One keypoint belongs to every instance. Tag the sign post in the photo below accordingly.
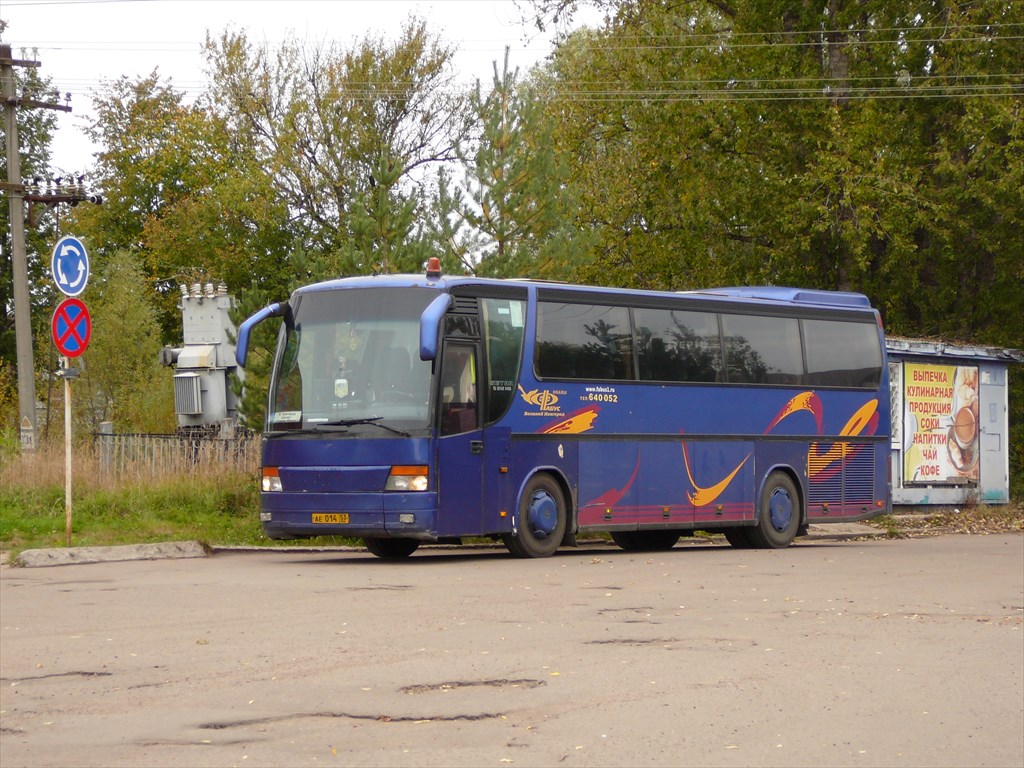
(67, 454)
(72, 328)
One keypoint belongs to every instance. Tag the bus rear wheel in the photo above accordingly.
(542, 519)
(391, 549)
(778, 513)
(645, 541)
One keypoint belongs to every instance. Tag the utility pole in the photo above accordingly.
(16, 195)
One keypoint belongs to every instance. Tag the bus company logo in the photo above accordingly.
(544, 399)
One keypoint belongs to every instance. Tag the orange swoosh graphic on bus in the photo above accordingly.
(865, 417)
(574, 423)
(805, 401)
(613, 496)
(861, 419)
(702, 496)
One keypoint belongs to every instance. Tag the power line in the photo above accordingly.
(688, 40)
(613, 46)
(817, 33)
(663, 93)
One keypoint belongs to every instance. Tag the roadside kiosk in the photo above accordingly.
(950, 423)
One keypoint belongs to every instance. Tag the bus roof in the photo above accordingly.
(792, 296)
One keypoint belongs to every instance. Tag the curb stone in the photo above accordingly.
(36, 558)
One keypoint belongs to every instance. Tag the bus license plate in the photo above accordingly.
(331, 518)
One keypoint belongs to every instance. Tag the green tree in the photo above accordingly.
(348, 137)
(345, 140)
(459, 244)
(854, 145)
(514, 195)
(191, 201)
(182, 194)
(151, 147)
(122, 380)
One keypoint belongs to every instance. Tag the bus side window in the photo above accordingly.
(458, 389)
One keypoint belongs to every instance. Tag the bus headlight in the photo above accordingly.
(407, 478)
(271, 480)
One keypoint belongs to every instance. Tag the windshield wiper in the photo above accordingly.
(307, 430)
(368, 420)
(337, 425)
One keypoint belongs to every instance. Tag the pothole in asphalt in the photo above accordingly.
(14, 680)
(454, 684)
(386, 587)
(379, 718)
(635, 641)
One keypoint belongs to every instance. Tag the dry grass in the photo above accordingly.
(130, 497)
(144, 463)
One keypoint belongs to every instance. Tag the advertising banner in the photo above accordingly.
(940, 424)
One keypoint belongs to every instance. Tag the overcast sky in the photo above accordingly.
(82, 43)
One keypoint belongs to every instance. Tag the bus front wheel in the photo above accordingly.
(540, 524)
(738, 537)
(391, 549)
(778, 513)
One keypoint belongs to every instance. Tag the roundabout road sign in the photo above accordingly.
(72, 327)
(70, 265)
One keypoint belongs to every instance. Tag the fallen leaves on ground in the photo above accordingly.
(976, 519)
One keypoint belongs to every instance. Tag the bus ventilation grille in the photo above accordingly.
(464, 305)
(841, 473)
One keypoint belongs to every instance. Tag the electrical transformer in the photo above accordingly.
(203, 398)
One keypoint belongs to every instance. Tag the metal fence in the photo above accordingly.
(162, 456)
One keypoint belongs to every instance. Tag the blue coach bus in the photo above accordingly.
(424, 408)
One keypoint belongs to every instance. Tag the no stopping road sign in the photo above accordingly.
(72, 327)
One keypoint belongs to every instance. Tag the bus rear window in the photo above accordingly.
(841, 354)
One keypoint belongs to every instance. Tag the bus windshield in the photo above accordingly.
(348, 362)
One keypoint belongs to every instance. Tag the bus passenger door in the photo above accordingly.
(460, 445)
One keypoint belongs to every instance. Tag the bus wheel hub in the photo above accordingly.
(542, 514)
(780, 506)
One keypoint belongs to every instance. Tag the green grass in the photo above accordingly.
(214, 504)
(217, 512)
(210, 511)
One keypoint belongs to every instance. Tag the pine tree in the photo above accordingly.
(514, 192)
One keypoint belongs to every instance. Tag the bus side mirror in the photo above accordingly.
(430, 323)
(242, 347)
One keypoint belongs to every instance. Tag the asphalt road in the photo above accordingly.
(858, 653)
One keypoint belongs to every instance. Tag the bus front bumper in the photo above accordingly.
(304, 515)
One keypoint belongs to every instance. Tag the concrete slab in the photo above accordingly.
(35, 558)
(841, 532)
